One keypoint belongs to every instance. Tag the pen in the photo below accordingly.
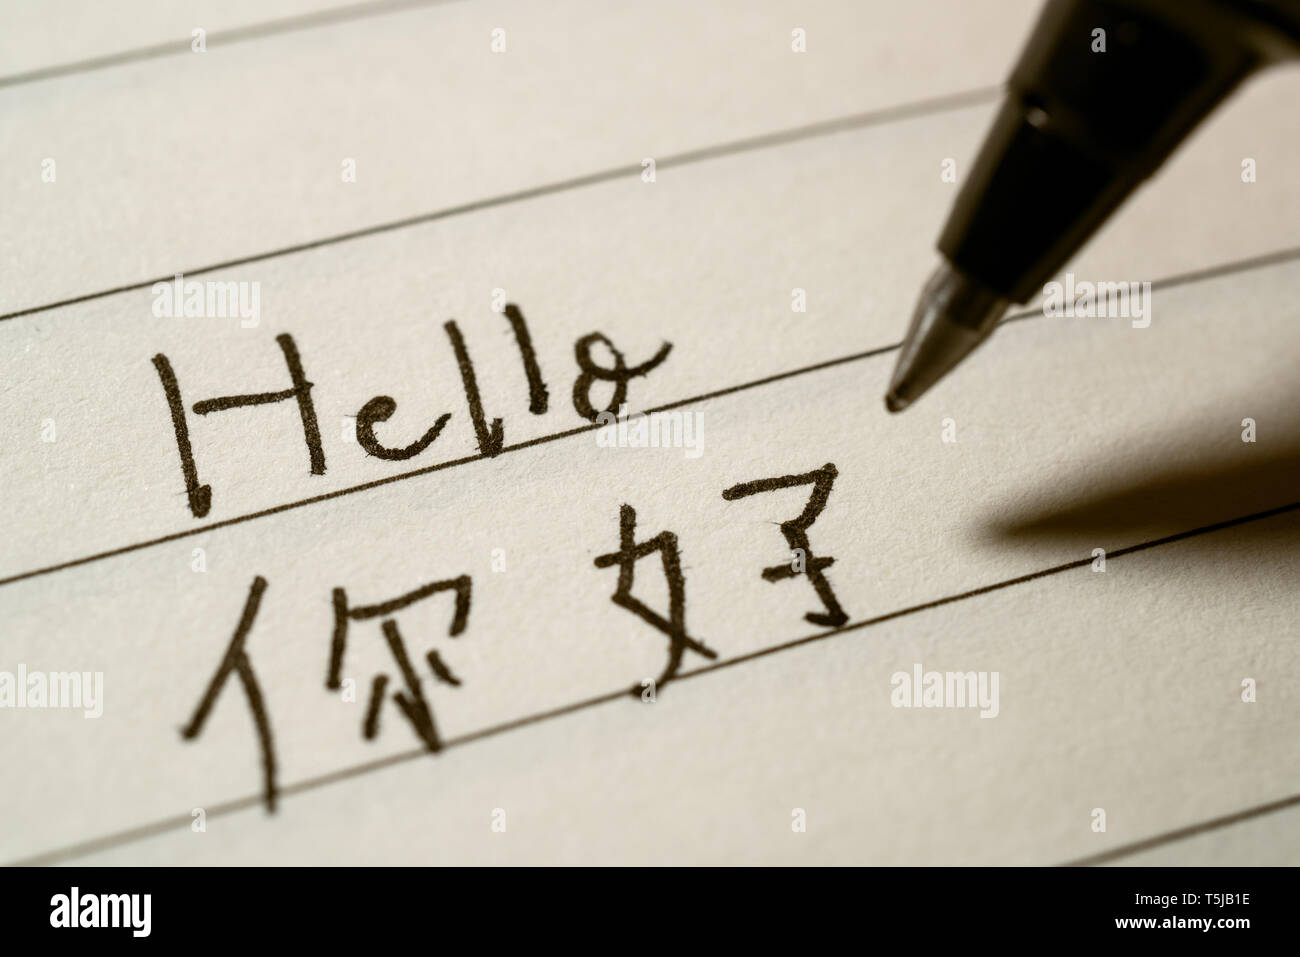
(1102, 94)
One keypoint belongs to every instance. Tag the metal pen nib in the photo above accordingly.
(954, 315)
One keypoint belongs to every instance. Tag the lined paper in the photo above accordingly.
(522, 172)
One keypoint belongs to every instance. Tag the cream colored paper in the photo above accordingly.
(779, 171)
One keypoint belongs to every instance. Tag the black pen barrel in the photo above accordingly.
(1102, 94)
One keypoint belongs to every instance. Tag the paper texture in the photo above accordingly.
(778, 248)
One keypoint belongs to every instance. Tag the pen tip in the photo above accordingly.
(955, 314)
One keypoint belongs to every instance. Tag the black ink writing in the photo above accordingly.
(674, 626)
(236, 660)
(489, 433)
(537, 393)
(411, 700)
(796, 536)
(619, 374)
(490, 438)
(381, 409)
(199, 495)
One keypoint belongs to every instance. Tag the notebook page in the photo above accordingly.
(762, 286)
(238, 151)
(46, 38)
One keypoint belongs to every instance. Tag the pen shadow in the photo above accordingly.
(1146, 501)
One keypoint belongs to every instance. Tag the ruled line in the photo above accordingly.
(1217, 271)
(1211, 272)
(1183, 833)
(159, 827)
(844, 124)
(220, 38)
